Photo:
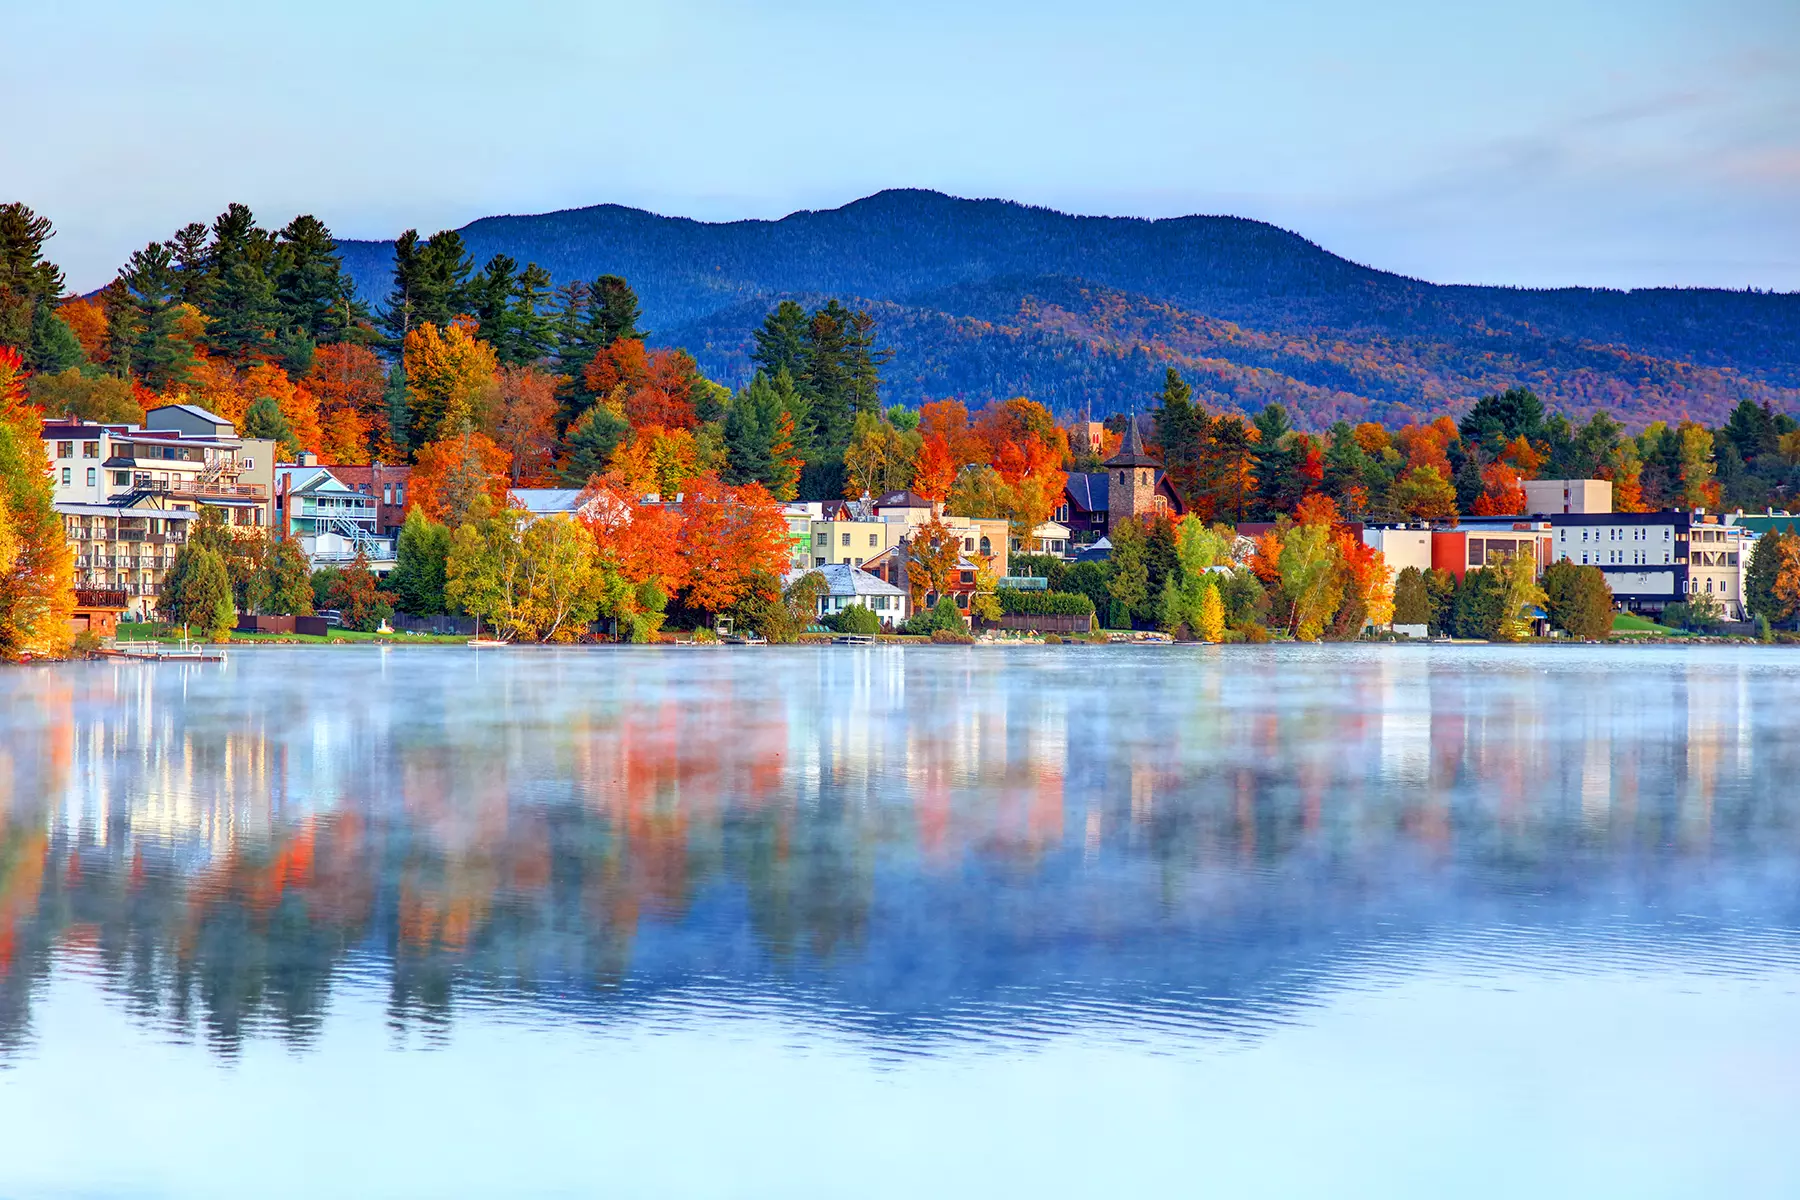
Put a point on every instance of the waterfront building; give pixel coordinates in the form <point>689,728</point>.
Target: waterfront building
<point>849,585</point>
<point>1652,560</point>
<point>1402,545</point>
<point>386,483</point>
<point>332,522</point>
<point>1490,542</point>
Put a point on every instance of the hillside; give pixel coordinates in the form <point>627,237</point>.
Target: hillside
<point>984,298</point>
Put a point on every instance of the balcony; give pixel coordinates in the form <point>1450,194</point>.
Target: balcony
<point>114,598</point>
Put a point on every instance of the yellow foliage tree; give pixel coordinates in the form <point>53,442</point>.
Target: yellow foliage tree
<point>452,377</point>
<point>1209,625</point>
<point>37,568</point>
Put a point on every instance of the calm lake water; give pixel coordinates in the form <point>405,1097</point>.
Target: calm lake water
<point>934,922</point>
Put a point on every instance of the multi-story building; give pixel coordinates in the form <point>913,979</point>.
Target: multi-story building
<point>857,532</point>
<point>128,494</point>
<point>332,522</point>
<point>384,483</point>
<point>1655,559</point>
<point>1488,543</point>
<point>1401,545</point>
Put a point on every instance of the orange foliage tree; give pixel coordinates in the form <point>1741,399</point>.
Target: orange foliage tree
<point>88,319</point>
<point>654,459</point>
<point>349,382</point>
<point>1501,493</point>
<point>652,387</point>
<point>297,404</point>
<point>37,564</point>
<point>734,540</point>
<point>449,473</point>
<point>525,426</point>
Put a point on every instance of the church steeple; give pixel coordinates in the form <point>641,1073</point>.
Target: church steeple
<point>1131,450</point>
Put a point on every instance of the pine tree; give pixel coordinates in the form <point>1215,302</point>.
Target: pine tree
<point>193,264</point>
<point>145,310</point>
<point>589,444</point>
<point>613,313</point>
<point>418,577</point>
<point>28,280</point>
<point>781,341</point>
<point>241,312</point>
<point>1179,431</point>
<point>54,346</point>
<point>308,280</point>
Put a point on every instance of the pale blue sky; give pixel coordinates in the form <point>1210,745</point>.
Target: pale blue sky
<point>1621,142</point>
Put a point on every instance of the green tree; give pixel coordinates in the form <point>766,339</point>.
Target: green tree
<point>106,399</point>
<point>1772,549</point>
<point>857,619</point>
<point>29,282</point>
<point>1310,579</point>
<point>264,419</point>
<point>1181,432</point>
<point>417,580</point>
<point>1440,590</point>
<point>1480,604</point>
<point>1129,585</point>
<point>1578,600</point>
<point>781,341</point>
<point>313,298</point>
<point>481,572</point>
<point>142,315</point>
<point>1519,573</point>
<point>242,316</point>
<point>358,597</point>
<point>589,444</point>
<point>197,592</point>
<point>54,346</point>
<point>1412,603</point>
<point>289,589</point>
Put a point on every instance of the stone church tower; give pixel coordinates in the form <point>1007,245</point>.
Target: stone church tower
<point>1131,480</point>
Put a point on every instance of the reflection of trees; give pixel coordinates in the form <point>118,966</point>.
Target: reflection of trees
<point>907,842</point>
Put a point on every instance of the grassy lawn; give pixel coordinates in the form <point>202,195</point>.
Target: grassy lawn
<point>1631,623</point>
<point>151,632</point>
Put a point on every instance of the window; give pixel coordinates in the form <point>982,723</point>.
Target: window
<point>121,478</point>
<point>987,547</point>
<point>874,539</point>
<point>387,493</point>
<point>1709,585</point>
<point>90,449</point>
<point>93,476</point>
<point>66,472</point>
<point>1477,548</point>
<point>1584,561</point>
<point>1121,477</point>
<point>846,538</point>
<point>856,562</point>
<point>968,544</point>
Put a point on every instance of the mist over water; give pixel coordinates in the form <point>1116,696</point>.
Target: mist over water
<point>1382,921</point>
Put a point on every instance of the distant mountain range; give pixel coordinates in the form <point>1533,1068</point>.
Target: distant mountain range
<point>988,298</point>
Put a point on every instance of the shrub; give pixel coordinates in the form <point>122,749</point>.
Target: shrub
<point>703,634</point>
<point>946,637</point>
<point>1050,639</point>
<point>1015,603</point>
<point>1255,634</point>
<point>856,619</point>
<point>945,616</point>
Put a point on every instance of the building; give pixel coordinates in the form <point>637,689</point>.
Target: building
<point>332,522</point>
<point>855,532</point>
<point>123,552</point>
<point>1652,560</point>
<point>546,502</point>
<point>1051,537</point>
<point>849,586</point>
<point>386,484</point>
<point>1084,506</point>
<point>128,495</point>
<point>1087,439</point>
<point>892,568</point>
<point>1135,482</point>
<point>1488,543</point>
<point>1401,546</point>
<point>1545,497</point>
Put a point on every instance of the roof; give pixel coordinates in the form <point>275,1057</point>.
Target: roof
<point>1100,551</point>
<point>69,430</point>
<point>1131,450</point>
<point>544,502</point>
<point>846,580</point>
<point>74,509</point>
<point>301,479</point>
<point>906,498</point>
<point>1088,492</point>
<point>193,410</point>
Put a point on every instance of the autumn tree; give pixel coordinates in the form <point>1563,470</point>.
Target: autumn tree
<point>1502,494</point>
<point>879,458</point>
<point>589,444</point>
<point>450,473</point>
<point>559,586</point>
<point>733,539</point>
<point>451,378</point>
<point>349,384</point>
<point>932,554</point>
<point>38,571</point>
<point>358,597</point>
<point>759,436</point>
<point>525,426</point>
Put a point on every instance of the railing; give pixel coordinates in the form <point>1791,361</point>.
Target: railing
<point>1026,583</point>
<point>101,598</point>
<point>196,487</point>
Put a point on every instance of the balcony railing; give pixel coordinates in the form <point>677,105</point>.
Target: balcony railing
<point>101,598</point>
<point>199,487</point>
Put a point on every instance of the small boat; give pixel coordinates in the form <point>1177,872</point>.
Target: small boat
<point>745,639</point>
<point>487,644</point>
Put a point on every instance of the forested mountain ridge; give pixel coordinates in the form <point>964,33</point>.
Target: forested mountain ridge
<point>984,298</point>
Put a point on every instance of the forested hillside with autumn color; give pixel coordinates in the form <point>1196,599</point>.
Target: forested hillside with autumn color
<point>988,299</point>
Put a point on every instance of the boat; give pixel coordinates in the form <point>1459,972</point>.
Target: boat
<point>487,643</point>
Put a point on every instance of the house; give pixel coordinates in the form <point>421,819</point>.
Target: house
<point>1655,559</point>
<point>891,567</point>
<point>546,502</point>
<point>849,586</point>
<point>385,483</point>
<point>1403,545</point>
<point>332,522</point>
<point>1133,484</point>
<point>1546,496</point>
<point>1050,537</point>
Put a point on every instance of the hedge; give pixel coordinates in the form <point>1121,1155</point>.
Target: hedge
<point>1016,603</point>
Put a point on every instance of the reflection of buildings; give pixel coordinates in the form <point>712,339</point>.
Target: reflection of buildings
<point>898,836</point>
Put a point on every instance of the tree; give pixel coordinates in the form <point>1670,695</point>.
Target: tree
<point>358,597</point>
<point>143,317</point>
<point>733,539</point>
<point>1424,494</point>
<point>1498,419</point>
<point>417,580</point>
<point>759,436</point>
<point>985,603</point>
<point>781,341</point>
<point>105,399</point>
<point>1129,586</point>
<point>240,298</point>
<point>28,281</point>
<point>933,553</point>
<point>349,383</point>
<point>264,420</point>
<point>1180,432</point>
<point>589,444</point>
<point>1768,558</point>
<point>1501,493</point>
<point>1309,579</point>
<point>526,426</point>
<point>559,590</point>
<point>37,574</point>
<point>1578,600</point>
<point>289,586</point>
<point>431,282</point>
<point>1412,603</point>
<point>481,572</point>
<point>1209,622</point>
<point>1519,575</point>
<point>310,290</point>
<point>449,474</point>
<point>1441,588</point>
<point>879,458</point>
<point>197,592</point>
<point>857,618</point>
<point>979,491</point>
<point>1480,604</point>
<point>451,377</point>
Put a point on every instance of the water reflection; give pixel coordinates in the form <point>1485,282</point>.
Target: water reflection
<point>912,845</point>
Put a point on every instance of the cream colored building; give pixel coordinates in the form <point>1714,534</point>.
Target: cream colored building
<point>1545,496</point>
<point>1401,546</point>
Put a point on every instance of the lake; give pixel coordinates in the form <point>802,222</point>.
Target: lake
<point>1347,921</point>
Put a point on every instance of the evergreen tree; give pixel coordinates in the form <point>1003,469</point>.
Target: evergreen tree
<point>417,581</point>
<point>1498,419</point>
<point>1412,602</point>
<point>491,299</point>
<point>759,444</point>
<point>264,419</point>
<point>781,341</point>
<point>54,346</point>
<point>309,281</point>
<point>431,282</point>
<point>1480,603</point>
<point>197,592</point>
<point>145,312</point>
<point>241,312</point>
<point>1180,431</point>
<point>1129,585</point>
<point>613,313</point>
<point>28,281</point>
<point>533,334</point>
<point>192,257</point>
<point>289,589</point>
<point>396,403</point>
<point>567,321</point>
<point>589,444</point>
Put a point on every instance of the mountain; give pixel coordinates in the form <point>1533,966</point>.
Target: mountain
<point>986,298</point>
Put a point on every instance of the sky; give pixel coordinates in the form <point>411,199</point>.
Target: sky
<point>1623,143</point>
